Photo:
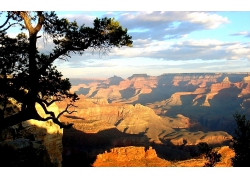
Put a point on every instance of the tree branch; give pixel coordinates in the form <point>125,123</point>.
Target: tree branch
<point>53,116</point>
<point>4,24</point>
<point>66,110</point>
<point>7,20</point>
<point>27,22</point>
<point>16,118</point>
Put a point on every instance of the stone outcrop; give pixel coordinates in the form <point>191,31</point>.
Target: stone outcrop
<point>138,157</point>
<point>128,118</point>
<point>44,137</point>
<point>130,157</point>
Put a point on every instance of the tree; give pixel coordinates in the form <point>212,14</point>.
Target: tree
<point>241,141</point>
<point>28,76</point>
<point>211,156</point>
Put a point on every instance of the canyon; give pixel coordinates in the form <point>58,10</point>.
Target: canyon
<point>209,99</point>
<point>100,126</point>
<point>148,120</point>
<point>171,113</point>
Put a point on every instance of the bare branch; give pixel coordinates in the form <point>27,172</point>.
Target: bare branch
<point>66,110</point>
<point>56,121</point>
<point>53,117</point>
<point>7,20</point>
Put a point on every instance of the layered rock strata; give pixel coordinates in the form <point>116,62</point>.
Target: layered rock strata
<point>139,157</point>
<point>130,157</point>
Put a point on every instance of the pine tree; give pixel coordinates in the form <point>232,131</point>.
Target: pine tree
<point>241,141</point>
<point>29,77</point>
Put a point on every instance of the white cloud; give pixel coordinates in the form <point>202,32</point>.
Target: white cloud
<point>203,49</point>
<point>170,24</point>
<point>241,33</point>
<point>210,21</point>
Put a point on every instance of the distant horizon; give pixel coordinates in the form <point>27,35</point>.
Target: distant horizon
<point>136,74</point>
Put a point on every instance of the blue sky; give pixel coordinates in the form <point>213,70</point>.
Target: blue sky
<point>165,41</point>
<point>170,42</point>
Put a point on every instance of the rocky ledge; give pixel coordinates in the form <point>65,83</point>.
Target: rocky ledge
<point>32,143</point>
<point>130,156</point>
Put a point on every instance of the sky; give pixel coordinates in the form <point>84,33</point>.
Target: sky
<point>165,40</point>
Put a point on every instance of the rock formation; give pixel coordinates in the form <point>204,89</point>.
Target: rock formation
<point>99,126</point>
<point>174,111</point>
<point>137,157</point>
<point>93,116</point>
<point>130,157</point>
<point>43,139</point>
<point>128,118</point>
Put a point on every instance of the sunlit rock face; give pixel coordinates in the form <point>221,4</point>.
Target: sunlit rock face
<point>130,156</point>
<point>95,116</point>
<point>99,126</point>
<point>42,136</point>
<point>139,87</point>
<point>139,157</point>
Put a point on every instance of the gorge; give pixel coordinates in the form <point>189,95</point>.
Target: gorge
<point>168,115</point>
<point>171,112</point>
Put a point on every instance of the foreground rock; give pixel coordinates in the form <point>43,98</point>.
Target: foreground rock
<point>32,143</point>
<point>24,153</point>
<point>139,157</point>
<point>130,157</point>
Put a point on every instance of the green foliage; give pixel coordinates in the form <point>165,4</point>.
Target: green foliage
<point>241,141</point>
